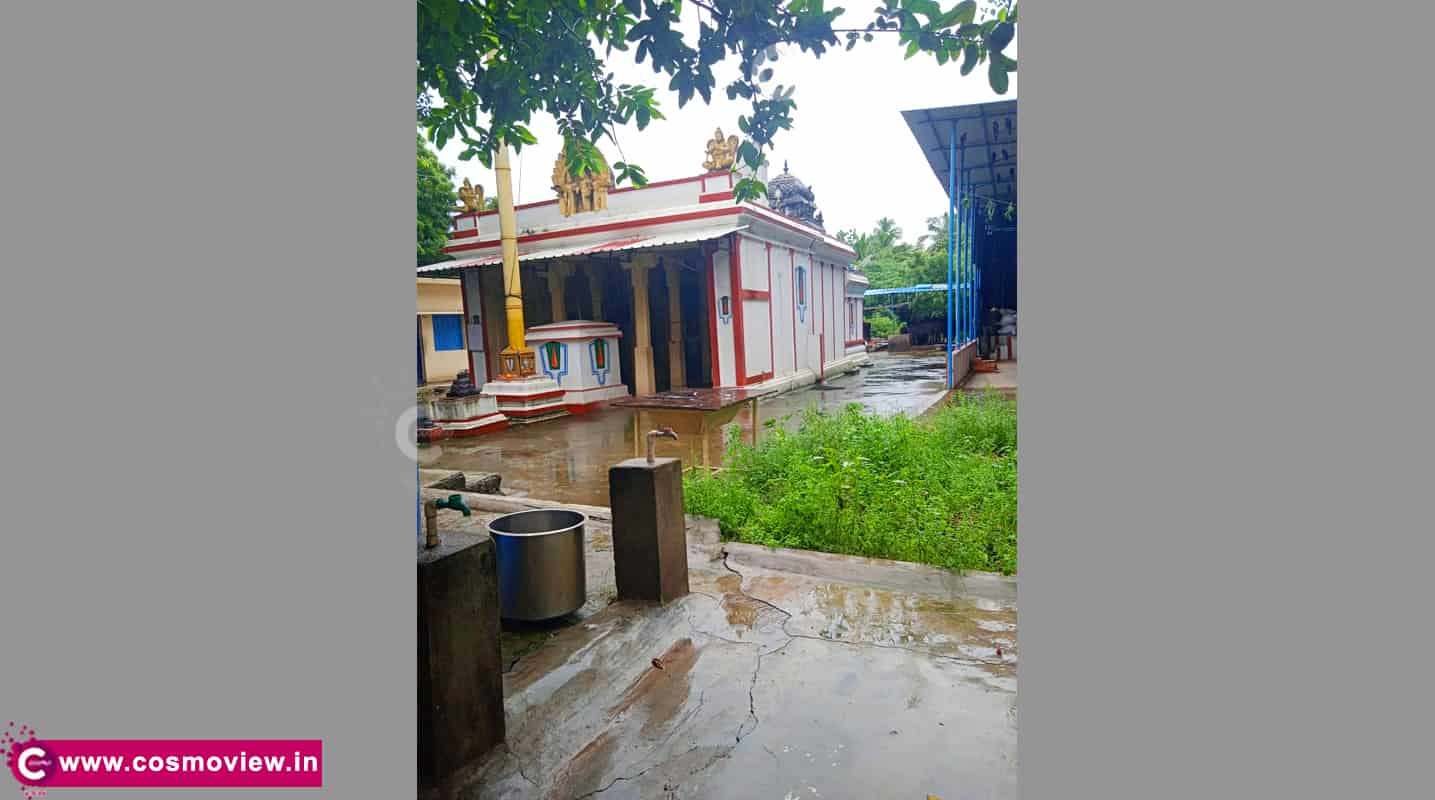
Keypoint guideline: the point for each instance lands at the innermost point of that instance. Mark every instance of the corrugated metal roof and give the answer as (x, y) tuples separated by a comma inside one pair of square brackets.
[(918, 289), (989, 148), (618, 243)]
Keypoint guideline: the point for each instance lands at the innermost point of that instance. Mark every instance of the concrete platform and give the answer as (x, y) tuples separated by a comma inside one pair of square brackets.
[(785, 674), (1003, 381)]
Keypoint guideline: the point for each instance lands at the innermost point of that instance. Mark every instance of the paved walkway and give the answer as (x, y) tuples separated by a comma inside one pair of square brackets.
[(784, 674)]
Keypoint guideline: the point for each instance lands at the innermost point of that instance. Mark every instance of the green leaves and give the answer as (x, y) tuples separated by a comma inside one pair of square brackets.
[(961, 14), (632, 173), (484, 69), (971, 55), (1001, 36), (997, 71), (996, 75), (748, 189)]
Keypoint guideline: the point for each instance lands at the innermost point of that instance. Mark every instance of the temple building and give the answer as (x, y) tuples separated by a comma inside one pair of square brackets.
[(646, 290)]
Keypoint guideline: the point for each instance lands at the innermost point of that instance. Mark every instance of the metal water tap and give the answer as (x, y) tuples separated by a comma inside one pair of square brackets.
[(666, 433), (431, 507)]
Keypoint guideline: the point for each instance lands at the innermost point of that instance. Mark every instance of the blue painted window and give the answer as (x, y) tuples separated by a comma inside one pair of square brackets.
[(447, 331)]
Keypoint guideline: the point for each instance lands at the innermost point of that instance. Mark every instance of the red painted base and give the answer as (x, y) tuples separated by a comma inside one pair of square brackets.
[(430, 435)]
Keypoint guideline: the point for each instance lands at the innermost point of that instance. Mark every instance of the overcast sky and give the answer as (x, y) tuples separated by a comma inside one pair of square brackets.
[(848, 140)]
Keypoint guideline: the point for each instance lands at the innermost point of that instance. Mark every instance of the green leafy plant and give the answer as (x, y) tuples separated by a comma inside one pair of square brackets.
[(486, 67), (436, 198), (941, 490), (884, 325)]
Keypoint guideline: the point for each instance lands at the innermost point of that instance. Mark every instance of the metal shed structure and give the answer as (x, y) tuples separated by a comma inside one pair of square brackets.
[(972, 150)]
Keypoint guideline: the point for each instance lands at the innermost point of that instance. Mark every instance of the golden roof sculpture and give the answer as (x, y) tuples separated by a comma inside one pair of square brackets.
[(722, 153), (586, 192), (470, 197)]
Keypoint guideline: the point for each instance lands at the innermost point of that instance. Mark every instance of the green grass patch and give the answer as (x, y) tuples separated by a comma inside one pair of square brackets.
[(940, 490)]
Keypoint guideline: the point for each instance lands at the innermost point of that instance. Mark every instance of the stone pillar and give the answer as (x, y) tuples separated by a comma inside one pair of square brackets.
[(642, 331), (557, 280), (677, 362), (650, 553), (460, 667)]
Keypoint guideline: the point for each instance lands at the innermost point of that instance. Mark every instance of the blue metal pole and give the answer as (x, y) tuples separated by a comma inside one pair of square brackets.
[(971, 273), (976, 279), (961, 191), (951, 250), (962, 259), (976, 274)]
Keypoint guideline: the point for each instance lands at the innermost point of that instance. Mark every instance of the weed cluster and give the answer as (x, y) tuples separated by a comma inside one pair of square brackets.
[(940, 490)]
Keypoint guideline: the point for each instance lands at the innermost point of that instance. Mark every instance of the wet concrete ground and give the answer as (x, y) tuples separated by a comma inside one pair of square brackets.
[(567, 459), (784, 674)]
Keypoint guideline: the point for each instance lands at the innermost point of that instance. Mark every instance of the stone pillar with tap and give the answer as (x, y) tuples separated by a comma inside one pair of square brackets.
[(650, 554)]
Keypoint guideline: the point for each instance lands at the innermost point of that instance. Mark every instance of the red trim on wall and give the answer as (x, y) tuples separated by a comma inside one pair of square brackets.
[(715, 196), (498, 395), (765, 376), (620, 190), (610, 226), (450, 433), (758, 211), (739, 340), (822, 339), (584, 408), (592, 323), (571, 337), (771, 358), (466, 419), (712, 318), (467, 233), (532, 412), (792, 273), (768, 215), (756, 294)]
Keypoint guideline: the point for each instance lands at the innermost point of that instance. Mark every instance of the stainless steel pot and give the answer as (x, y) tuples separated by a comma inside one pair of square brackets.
[(541, 571)]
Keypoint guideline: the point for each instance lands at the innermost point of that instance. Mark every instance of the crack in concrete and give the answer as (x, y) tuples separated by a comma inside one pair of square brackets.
[(518, 765), (527, 652), (743, 731), (640, 773), (742, 579)]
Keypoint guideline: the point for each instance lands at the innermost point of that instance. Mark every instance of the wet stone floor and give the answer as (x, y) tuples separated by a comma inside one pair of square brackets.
[(567, 459), (783, 674)]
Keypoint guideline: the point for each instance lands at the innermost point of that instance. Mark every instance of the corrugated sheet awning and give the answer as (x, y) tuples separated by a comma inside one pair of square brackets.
[(986, 134), (539, 251), (920, 288)]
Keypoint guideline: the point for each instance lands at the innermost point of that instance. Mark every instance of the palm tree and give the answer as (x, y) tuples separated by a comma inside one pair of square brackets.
[(936, 232), (886, 235)]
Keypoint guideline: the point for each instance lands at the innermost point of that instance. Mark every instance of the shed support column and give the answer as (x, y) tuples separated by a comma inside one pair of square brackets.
[(677, 364), (557, 280), (642, 332)]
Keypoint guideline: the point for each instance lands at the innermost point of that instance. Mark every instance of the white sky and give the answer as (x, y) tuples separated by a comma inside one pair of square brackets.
[(848, 140)]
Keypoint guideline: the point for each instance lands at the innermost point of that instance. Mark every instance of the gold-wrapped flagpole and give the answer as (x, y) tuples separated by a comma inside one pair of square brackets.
[(516, 360)]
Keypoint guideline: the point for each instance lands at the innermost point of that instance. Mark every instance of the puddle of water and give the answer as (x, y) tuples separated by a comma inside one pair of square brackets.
[(567, 459)]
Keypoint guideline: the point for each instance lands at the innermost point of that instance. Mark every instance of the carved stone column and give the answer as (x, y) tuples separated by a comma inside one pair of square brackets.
[(596, 282), (677, 362), (557, 281), (643, 380)]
